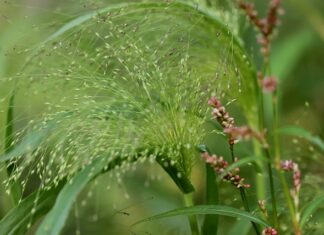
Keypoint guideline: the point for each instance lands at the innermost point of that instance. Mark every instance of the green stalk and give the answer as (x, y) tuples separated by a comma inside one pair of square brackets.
[(267, 153), (272, 191), (210, 224), (260, 182), (243, 196), (247, 208), (283, 181), (188, 201)]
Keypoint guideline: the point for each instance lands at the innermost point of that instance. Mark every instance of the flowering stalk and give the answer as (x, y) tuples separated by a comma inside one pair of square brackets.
[(220, 165), (265, 28), (227, 122)]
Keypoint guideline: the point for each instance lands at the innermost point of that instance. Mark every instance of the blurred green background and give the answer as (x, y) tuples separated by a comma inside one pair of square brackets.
[(110, 207)]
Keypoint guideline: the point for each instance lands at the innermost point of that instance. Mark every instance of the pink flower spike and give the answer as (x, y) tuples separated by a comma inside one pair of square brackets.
[(214, 102)]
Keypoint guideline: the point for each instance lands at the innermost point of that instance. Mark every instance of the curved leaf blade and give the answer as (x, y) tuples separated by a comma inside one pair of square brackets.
[(302, 133), (207, 209), (311, 208), (17, 220), (55, 219)]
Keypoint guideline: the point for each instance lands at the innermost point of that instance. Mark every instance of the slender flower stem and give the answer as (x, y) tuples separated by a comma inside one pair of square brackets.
[(273, 195), (188, 200), (243, 196), (267, 153)]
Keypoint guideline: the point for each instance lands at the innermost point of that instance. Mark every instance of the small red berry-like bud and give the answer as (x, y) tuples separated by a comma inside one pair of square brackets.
[(269, 231), (269, 84)]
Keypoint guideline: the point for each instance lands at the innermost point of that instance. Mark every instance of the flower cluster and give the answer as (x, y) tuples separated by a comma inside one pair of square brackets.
[(269, 231), (220, 165), (289, 165), (233, 132), (223, 117), (219, 112), (264, 25)]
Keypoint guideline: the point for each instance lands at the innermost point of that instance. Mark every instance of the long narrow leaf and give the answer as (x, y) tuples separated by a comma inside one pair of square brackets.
[(15, 189), (207, 209), (302, 133), (311, 208), (17, 220), (55, 219)]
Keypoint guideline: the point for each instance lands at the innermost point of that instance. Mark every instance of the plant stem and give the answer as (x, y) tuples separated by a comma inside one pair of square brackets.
[(275, 127), (267, 153), (283, 181), (210, 224), (243, 196), (188, 200), (260, 182), (273, 195)]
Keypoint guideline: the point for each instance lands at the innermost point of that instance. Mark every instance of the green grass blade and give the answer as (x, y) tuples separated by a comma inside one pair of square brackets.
[(302, 133), (210, 224), (310, 209), (15, 189), (17, 220), (9, 124), (55, 219), (291, 51), (207, 209)]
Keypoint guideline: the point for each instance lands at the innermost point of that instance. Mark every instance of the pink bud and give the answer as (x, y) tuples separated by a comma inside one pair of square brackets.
[(269, 84)]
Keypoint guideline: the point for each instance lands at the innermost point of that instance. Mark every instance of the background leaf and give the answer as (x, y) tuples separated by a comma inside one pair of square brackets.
[(302, 133), (310, 209)]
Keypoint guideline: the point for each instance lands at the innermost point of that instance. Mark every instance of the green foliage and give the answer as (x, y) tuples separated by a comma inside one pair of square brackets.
[(302, 133), (310, 209), (55, 219), (130, 82), (207, 209), (20, 219), (125, 83)]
